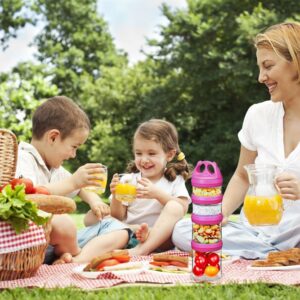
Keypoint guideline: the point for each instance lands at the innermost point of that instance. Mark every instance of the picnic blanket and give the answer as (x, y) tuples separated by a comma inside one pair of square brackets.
[(59, 276)]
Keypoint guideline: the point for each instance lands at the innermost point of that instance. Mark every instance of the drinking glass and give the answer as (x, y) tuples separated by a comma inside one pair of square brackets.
[(102, 181), (126, 188)]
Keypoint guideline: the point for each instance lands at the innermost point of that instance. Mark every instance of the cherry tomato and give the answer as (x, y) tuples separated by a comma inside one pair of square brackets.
[(211, 271), (201, 261), (213, 259), (198, 271)]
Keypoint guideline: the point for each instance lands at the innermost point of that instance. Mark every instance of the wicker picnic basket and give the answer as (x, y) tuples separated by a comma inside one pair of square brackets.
[(23, 263)]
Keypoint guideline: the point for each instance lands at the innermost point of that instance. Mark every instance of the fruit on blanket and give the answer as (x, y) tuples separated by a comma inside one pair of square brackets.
[(42, 190), (29, 189)]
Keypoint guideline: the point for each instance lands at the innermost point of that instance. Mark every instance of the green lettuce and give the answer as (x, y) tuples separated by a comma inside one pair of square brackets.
[(18, 211)]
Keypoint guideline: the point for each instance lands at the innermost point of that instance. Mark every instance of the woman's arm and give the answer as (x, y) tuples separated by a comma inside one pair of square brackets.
[(238, 184)]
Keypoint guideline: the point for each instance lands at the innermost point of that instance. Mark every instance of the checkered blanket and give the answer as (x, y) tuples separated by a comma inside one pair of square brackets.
[(64, 276), (11, 242)]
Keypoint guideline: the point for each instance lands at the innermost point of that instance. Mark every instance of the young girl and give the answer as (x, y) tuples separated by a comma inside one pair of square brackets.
[(160, 169)]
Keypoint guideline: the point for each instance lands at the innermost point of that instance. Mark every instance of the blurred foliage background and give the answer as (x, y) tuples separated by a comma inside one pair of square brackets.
[(201, 74)]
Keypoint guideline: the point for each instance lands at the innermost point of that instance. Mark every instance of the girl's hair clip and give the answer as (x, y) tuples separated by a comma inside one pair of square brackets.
[(180, 156)]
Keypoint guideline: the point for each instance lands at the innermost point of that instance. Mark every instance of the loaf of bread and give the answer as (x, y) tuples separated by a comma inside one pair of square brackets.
[(280, 258), (52, 203)]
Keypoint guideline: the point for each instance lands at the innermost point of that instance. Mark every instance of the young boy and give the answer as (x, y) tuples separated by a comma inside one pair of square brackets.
[(59, 127)]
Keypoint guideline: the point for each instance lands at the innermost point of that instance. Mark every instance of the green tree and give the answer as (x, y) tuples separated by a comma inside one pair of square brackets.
[(14, 14)]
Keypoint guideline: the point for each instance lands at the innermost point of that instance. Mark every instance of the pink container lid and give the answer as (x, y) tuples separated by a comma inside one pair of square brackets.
[(207, 247), (207, 220), (207, 174), (206, 200)]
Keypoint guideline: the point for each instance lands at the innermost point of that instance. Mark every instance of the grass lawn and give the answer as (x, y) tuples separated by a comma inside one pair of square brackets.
[(201, 291)]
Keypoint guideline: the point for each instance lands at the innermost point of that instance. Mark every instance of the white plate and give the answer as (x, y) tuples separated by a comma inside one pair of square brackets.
[(94, 275), (278, 268)]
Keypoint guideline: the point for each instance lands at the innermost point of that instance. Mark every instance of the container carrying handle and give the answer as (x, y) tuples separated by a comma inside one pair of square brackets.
[(208, 169)]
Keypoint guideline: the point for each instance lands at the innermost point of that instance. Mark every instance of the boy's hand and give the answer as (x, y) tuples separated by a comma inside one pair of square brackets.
[(146, 189), (288, 186), (115, 180), (86, 175), (100, 209)]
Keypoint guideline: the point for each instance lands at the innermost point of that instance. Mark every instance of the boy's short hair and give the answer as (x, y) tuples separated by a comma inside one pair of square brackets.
[(60, 113)]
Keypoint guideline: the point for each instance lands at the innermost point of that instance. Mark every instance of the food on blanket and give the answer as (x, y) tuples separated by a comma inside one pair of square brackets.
[(17, 211), (280, 258), (169, 263), (107, 260), (53, 203), (206, 263)]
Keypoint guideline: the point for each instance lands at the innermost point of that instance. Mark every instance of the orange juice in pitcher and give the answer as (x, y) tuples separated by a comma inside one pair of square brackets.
[(263, 206)]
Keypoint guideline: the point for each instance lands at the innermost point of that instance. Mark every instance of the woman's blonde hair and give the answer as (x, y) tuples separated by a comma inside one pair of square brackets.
[(284, 39)]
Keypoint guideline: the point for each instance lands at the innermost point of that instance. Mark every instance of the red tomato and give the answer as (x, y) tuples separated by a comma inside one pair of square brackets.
[(211, 271), (107, 263), (198, 271), (27, 183), (201, 261), (41, 190), (213, 259)]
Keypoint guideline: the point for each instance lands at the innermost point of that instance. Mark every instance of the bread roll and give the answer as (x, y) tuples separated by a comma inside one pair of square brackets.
[(52, 203)]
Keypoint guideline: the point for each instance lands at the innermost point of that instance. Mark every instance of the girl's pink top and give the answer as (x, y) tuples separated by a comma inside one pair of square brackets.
[(207, 175), (207, 220), (207, 247)]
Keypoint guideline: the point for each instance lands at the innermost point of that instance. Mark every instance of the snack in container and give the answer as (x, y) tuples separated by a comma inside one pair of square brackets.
[(206, 263)]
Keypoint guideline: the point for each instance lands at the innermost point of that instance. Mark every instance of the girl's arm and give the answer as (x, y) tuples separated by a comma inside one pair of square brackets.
[(238, 184), (151, 191)]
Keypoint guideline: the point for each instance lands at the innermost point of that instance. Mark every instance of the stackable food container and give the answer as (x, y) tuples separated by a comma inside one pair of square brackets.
[(206, 244)]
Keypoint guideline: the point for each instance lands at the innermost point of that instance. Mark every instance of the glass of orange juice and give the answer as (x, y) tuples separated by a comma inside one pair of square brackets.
[(102, 181), (126, 188)]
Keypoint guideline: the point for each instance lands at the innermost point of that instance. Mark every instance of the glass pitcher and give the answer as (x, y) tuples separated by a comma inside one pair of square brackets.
[(262, 205)]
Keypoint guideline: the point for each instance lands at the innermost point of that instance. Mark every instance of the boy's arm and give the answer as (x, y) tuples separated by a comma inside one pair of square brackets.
[(98, 207)]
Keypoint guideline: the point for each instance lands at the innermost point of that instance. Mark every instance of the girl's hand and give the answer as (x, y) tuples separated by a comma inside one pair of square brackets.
[(288, 186), (146, 189), (86, 175), (115, 180)]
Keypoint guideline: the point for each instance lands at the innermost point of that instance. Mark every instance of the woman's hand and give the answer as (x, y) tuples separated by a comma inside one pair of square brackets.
[(288, 186), (146, 189)]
